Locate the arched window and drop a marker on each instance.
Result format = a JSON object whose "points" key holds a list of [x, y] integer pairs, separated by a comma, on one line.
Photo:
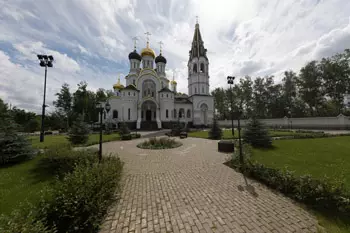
{"points": [[115, 114], [202, 67], [133, 81], [166, 113], [181, 113], [195, 68], [195, 90], [128, 113], [188, 113], [174, 113]]}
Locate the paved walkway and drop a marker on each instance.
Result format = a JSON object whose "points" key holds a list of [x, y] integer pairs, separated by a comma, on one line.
{"points": [[188, 189]]}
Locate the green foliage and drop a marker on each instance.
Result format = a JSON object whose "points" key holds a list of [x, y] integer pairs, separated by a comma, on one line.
{"points": [[13, 146], [79, 133], [60, 160], [77, 201], [320, 194], [108, 127], [215, 131], [23, 220], [126, 137], [32, 125], [80, 200], [124, 129], [159, 143], [256, 134]]}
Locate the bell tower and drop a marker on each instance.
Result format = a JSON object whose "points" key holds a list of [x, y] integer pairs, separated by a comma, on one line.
{"points": [[198, 66]]}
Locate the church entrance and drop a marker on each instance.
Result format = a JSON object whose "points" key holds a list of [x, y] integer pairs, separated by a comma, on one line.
{"points": [[148, 115], [204, 114]]}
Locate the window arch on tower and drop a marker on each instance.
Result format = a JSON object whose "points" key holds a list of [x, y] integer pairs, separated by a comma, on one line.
{"points": [[202, 68], [195, 68], [115, 114]]}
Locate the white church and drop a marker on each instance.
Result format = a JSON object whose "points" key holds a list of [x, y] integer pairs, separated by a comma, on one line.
{"points": [[149, 100]]}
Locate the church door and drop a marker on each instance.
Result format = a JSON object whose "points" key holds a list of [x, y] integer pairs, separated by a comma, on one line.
{"points": [[148, 115]]}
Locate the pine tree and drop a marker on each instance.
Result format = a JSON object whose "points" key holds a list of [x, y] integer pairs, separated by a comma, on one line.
{"points": [[256, 134], [13, 146], [79, 132], [215, 131]]}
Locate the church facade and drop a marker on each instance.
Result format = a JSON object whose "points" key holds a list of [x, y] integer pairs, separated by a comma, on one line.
{"points": [[149, 100]]}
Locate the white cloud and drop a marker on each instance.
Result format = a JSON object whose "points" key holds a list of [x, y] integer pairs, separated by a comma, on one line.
{"points": [[253, 37]]}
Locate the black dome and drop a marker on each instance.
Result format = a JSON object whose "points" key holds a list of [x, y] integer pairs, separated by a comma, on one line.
{"points": [[160, 58], [134, 55]]}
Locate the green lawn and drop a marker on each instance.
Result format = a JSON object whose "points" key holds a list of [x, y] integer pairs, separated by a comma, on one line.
{"points": [[53, 140], [317, 157], [18, 183], [227, 134]]}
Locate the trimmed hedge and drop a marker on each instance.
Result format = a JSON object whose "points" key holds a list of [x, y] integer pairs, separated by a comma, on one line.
{"points": [[78, 199], [159, 143], [319, 194]]}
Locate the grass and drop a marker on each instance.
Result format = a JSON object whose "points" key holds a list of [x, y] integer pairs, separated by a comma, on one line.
{"points": [[227, 134], [54, 140], [18, 183], [318, 157]]}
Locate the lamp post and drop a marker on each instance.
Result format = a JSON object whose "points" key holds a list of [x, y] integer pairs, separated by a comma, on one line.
{"points": [[230, 80], [45, 61], [239, 137], [100, 108]]}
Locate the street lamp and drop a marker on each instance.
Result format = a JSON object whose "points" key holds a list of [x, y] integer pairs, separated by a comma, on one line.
{"points": [[239, 137], [230, 80], [100, 108], [45, 61]]}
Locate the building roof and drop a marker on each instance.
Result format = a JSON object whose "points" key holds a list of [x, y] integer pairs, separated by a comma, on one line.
{"points": [[160, 58], [182, 100], [134, 55], [131, 87], [165, 89], [197, 49]]}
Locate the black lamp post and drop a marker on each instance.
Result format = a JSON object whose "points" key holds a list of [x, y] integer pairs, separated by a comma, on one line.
{"points": [[45, 61], [239, 137], [230, 80], [100, 108]]}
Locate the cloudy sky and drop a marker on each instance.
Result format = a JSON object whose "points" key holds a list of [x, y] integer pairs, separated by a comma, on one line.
{"points": [[90, 39]]}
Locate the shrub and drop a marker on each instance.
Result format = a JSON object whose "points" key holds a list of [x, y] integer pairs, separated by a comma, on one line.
{"points": [[60, 160], [320, 194], [136, 135], [108, 127], [79, 202], [124, 129], [23, 220], [215, 132], [79, 133], [159, 143], [126, 136], [256, 134], [13, 146]]}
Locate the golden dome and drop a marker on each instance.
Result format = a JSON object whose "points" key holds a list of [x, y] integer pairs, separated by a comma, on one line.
{"points": [[118, 85], [173, 82], [148, 51]]}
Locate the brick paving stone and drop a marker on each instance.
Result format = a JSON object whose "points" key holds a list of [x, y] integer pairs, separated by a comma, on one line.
{"points": [[189, 189]]}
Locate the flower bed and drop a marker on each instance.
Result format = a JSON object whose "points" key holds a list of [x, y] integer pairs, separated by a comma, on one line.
{"points": [[159, 143]]}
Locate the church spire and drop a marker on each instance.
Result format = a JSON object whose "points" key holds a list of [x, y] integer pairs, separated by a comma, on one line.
{"points": [[197, 48]]}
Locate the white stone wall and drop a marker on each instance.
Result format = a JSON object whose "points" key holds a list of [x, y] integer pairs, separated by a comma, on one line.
{"points": [[197, 101], [166, 102], [186, 107], [339, 122]]}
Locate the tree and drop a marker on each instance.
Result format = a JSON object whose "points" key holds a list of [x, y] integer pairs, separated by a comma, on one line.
{"points": [[32, 125], [124, 130], [84, 103], [79, 132], [101, 95], [246, 93], [310, 87], [221, 104], [257, 135], [289, 90], [335, 73], [13, 146], [64, 102], [215, 131]]}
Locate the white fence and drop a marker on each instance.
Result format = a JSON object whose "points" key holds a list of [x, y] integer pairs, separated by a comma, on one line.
{"points": [[338, 122]]}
